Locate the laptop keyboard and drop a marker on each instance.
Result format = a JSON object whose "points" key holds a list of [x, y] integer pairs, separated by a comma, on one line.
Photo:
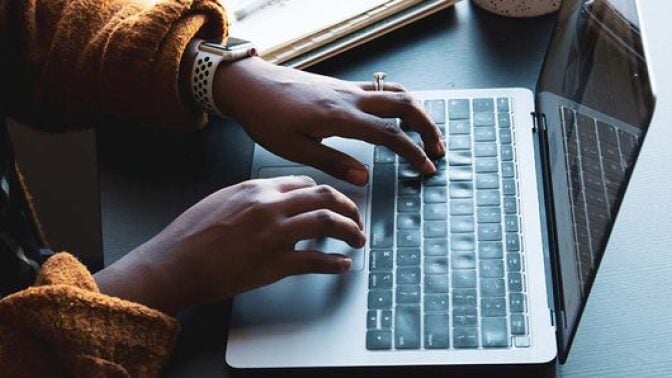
{"points": [[446, 263], [598, 157]]}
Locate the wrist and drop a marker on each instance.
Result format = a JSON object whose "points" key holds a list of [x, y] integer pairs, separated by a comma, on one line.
{"points": [[235, 82]]}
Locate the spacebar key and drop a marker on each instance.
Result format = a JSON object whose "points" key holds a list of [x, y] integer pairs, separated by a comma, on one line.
{"points": [[382, 206]]}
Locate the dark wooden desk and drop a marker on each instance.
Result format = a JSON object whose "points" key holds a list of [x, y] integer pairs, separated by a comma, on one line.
{"points": [[143, 188]]}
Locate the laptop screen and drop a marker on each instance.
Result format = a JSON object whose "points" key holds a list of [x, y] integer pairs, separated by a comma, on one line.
{"points": [[596, 97]]}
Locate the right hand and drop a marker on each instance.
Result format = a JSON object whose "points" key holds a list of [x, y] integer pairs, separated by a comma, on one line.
{"points": [[239, 238]]}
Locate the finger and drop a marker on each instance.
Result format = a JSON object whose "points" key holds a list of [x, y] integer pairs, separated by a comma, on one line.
{"points": [[304, 262], [387, 86], [320, 197], [331, 161], [323, 223], [288, 183], [385, 132], [403, 105]]}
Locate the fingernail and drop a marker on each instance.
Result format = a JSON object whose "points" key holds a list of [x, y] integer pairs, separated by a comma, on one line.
{"points": [[345, 264], [441, 148], [428, 167], [357, 176]]}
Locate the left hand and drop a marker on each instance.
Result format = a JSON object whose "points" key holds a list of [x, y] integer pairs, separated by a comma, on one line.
{"points": [[290, 112]]}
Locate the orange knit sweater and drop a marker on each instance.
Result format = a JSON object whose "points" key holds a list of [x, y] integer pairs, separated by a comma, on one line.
{"points": [[78, 61]]}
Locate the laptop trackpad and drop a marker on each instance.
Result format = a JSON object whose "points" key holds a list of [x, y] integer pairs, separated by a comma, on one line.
{"points": [[357, 194]]}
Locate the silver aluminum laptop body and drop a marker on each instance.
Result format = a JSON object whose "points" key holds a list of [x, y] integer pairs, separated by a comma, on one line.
{"points": [[321, 320]]}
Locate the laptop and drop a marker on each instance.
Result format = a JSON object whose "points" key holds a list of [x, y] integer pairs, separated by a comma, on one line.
{"points": [[490, 260]]}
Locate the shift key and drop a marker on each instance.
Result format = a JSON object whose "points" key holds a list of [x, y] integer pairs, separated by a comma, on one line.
{"points": [[407, 327]]}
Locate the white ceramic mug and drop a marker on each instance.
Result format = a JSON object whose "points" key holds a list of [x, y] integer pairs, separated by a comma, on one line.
{"points": [[519, 8]]}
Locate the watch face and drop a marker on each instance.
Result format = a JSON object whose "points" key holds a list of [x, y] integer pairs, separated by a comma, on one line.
{"points": [[231, 44]]}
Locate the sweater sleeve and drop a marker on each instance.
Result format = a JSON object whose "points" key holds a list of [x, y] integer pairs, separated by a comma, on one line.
{"points": [[64, 326], [68, 64]]}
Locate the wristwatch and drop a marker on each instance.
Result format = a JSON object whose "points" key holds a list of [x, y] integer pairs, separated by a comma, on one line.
{"points": [[209, 56]]}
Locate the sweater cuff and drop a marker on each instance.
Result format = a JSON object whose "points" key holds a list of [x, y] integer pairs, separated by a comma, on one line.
{"points": [[89, 330]]}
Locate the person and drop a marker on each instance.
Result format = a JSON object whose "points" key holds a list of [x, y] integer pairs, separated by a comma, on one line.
{"points": [[69, 64]]}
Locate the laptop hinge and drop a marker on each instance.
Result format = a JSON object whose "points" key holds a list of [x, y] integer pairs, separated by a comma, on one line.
{"points": [[551, 257]]}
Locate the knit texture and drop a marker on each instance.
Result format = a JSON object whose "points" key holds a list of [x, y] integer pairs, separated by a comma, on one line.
{"points": [[63, 326], [82, 61]]}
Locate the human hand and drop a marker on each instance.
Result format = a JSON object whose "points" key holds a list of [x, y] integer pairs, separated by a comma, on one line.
{"points": [[289, 112], [239, 238]]}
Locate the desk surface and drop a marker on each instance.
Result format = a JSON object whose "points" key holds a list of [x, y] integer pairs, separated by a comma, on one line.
{"points": [[142, 190]]}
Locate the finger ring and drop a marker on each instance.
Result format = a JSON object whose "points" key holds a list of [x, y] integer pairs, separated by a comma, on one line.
{"points": [[379, 80]]}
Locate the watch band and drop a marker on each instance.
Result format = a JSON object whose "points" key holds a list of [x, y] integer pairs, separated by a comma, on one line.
{"points": [[209, 56]]}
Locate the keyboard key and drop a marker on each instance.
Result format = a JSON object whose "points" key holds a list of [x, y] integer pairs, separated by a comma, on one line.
{"points": [[494, 333], [437, 179], [464, 278], [408, 238], [521, 341], [465, 316], [435, 211], [436, 265], [461, 207], [435, 195], [386, 319], [462, 242], [505, 136], [493, 307], [436, 110], [408, 204], [409, 187], [489, 214], [436, 302], [436, 283], [382, 206], [484, 105], [440, 163], [484, 119], [437, 331], [407, 221], [510, 205], [485, 149], [378, 339], [380, 280], [507, 153], [408, 275], [380, 299], [503, 104], [372, 319], [465, 337], [459, 158], [408, 294], [460, 173], [407, 327], [485, 134], [486, 165], [408, 256], [509, 187], [463, 260], [383, 155], [458, 109], [436, 229], [459, 127], [504, 120], [489, 232], [487, 198], [487, 181], [461, 224], [518, 324], [380, 261], [460, 190], [407, 172], [464, 298], [512, 242], [436, 247], [513, 262], [516, 302], [493, 287], [490, 250], [459, 142], [515, 282], [492, 269]]}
